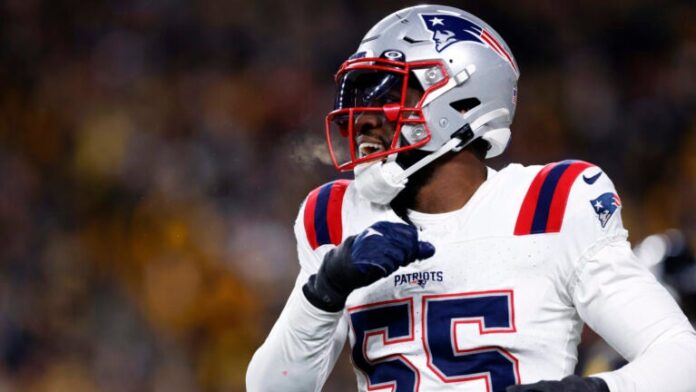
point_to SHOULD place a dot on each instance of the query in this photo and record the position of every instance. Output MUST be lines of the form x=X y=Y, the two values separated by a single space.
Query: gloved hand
x=362 y=260
x=568 y=384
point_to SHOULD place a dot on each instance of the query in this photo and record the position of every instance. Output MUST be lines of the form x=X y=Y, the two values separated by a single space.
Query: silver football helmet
x=466 y=78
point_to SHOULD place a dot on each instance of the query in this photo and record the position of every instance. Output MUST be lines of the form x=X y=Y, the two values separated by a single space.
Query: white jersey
x=533 y=253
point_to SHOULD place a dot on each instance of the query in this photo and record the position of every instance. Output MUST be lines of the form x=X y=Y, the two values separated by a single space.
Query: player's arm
x=303 y=345
x=300 y=350
x=623 y=302
x=305 y=342
x=619 y=299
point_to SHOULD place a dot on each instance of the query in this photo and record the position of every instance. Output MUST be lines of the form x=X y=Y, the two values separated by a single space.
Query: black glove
x=568 y=384
x=363 y=259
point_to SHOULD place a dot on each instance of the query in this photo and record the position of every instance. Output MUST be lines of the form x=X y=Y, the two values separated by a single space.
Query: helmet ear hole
x=464 y=105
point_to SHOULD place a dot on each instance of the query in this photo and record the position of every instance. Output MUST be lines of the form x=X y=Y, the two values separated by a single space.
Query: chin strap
x=468 y=132
x=380 y=182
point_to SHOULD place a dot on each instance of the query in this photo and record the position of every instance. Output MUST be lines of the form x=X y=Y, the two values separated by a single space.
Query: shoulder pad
x=544 y=204
x=322 y=214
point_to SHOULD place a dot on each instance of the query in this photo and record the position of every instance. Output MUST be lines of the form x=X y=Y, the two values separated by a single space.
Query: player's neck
x=451 y=185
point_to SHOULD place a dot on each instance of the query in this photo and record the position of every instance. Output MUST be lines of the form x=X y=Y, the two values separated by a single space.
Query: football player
x=443 y=273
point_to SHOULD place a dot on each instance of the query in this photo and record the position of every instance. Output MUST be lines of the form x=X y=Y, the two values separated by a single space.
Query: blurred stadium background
x=153 y=155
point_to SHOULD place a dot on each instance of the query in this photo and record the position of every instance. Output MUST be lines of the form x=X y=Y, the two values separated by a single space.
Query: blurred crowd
x=153 y=155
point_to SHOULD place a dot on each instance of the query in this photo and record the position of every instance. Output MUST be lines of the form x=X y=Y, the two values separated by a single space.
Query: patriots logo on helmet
x=450 y=29
x=605 y=206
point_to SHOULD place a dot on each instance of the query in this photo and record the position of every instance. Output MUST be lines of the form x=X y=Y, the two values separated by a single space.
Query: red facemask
x=373 y=104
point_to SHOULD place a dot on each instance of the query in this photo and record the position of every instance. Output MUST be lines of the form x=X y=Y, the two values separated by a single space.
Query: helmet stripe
x=495 y=45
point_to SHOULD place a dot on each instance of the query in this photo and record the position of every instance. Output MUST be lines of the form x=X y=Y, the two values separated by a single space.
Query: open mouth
x=369 y=148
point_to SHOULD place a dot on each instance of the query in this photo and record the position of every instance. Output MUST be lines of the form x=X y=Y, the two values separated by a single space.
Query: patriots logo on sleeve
x=449 y=29
x=605 y=206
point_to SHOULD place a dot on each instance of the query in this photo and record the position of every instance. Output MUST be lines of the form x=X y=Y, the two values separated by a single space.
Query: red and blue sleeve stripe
x=322 y=214
x=544 y=204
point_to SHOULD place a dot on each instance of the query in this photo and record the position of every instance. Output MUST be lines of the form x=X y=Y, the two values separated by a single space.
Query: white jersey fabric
x=532 y=255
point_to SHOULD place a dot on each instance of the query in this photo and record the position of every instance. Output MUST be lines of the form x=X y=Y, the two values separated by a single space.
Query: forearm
x=667 y=366
x=623 y=302
x=300 y=350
